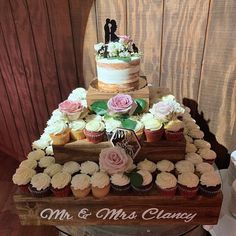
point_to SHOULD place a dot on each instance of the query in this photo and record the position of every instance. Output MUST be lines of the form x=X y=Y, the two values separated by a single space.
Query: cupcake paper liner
x=142 y=189
x=210 y=161
x=77 y=135
x=120 y=189
x=100 y=192
x=187 y=192
x=61 y=139
x=39 y=193
x=168 y=192
x=64 y=192
x=153 y=136
x=94 y=137
x=78 y=193
x=209 y=191
x=174 y=136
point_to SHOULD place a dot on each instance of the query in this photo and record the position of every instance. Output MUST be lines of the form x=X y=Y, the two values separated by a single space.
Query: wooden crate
x=94 y=94
x=118 y=210
x=82 y=150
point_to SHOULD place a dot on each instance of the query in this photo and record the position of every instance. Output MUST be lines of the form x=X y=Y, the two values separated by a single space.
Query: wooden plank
x=30 y=61
x=60 y=25
x=44 y=49
x=217 y=93
x=13 y=99
x=113 y=9
x=184 y=30
x=18 y=70
x=84 y=34
x=144 y=25
x=130 y=209
x=82 y=150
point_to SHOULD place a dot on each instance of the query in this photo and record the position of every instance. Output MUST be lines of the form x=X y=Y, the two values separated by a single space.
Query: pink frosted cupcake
x=95 y=131
x=188 y=184
x=174 y=130
x=166 y=184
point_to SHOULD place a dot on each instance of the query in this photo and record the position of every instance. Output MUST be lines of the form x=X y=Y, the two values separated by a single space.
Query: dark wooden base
x=118 y=210
x=83 y=150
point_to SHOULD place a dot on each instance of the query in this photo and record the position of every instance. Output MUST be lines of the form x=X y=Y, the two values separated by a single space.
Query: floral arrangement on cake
x=123 y=49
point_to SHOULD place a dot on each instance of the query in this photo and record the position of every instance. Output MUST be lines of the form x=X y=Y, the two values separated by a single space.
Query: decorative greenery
x=136 y=179
x=128 y=123
x=141 y=106
x=99 y=107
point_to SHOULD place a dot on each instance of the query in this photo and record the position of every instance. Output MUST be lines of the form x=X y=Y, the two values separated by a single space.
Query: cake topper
x=110 y=28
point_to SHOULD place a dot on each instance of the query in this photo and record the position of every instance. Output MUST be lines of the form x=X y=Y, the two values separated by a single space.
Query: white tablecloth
x=227 y=223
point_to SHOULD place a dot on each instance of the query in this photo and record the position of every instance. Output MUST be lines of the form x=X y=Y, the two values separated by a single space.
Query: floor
x=9 y=221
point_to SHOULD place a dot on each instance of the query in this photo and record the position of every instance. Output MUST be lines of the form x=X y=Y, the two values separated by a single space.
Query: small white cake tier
x=118 y=76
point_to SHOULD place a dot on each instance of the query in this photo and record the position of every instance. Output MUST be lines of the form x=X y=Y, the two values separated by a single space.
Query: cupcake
x=49 y=151
x=210 y=184
x=77 y=129
x=120 y=183
x=174 y=130
x=100 y=184
x=22 y=178
x=166 y=184
x=40 y=144
x=30 y=163
x=60 y=184
x=147 y=165
x=40 y=185
x=44 y=162
x=146 y=185
x=202 y=168
x=59 y=133
x=194 y=158
x=36 y=155
x=188 y=139
x=196 y=133
x=207 y=155
x=184 y=166
x=80 y=185
x=111 y=125
x=57 y=115
x=139 y=128
x=53 y=169
x=200 y=144
x=165 y=166
x=89 y=168
x=188 y=184
x=190 y=148
x=94 y=131
x=71 y=167
x=153 y=130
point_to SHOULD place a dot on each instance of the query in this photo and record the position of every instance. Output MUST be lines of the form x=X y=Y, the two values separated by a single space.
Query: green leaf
x=136 y=179
x=99 y=107
x=141 y=106
x=107 y=116
x=128 y=124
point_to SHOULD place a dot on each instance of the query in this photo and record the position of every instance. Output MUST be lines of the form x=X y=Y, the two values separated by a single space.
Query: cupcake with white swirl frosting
x=120 y=183
x=94 y=131
x=77 y=129
x=89 y=167
x=100 y=184
x=80 y=185
x=59 y=133
x=147 y=165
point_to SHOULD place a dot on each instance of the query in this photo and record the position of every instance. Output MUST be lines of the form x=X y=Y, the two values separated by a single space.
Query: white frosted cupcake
x=188 y=184
x=174 y=130
x=147 y=165
x=80 y=185
x=46 y=161
x=207 y=155
x=184 y=166
x=94 y=131
x=60 y=184
x=100 y=184
x=40 y=144
x=165 y=166
x=22 y=178
x=59 y=132
x=196 y=133
x=200 y=143
x=52 y=169
x=194 y=158
x=40 y=185
x=120 y=183
x=188 y=139
x=111 y=125
x=153 y=129
x=146 y=185
x=89 y=167
x=203 y=167
x=49 y=151
x=190 y=148
x=30 y=163
x=71 y=167
x=36 y=155
x=166 y=184
x=77 y=129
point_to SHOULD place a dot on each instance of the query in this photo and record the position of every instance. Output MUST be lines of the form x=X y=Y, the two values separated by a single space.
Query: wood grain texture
x=113 y=9
x=41 y=34
x=144 y=25
x=60 y=25
x=217 y=93
x=18 y=70
x=13 y=99
x=31 y=69
x=184 y=30
x=207 y=209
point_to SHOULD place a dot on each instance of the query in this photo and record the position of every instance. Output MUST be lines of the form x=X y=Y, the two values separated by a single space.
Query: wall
x=46 y=50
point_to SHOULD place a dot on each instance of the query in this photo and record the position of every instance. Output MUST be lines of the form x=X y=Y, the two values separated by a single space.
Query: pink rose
x=124 y=39
x=121 y=103
x=114 y=160
x=71 y=107
x=161 y=110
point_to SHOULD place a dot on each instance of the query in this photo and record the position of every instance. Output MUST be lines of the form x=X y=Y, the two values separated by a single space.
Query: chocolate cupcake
x=120 y=183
